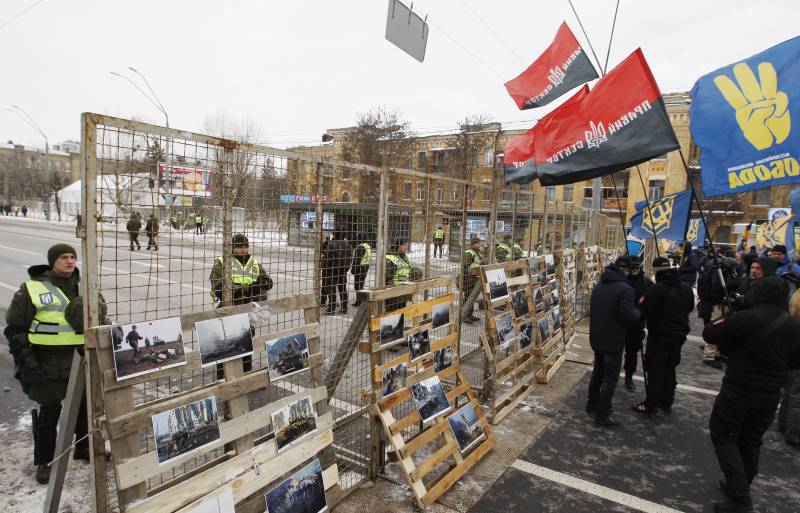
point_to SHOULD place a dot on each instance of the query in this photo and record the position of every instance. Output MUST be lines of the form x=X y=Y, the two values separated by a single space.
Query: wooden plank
x=436 y=459
x=526 y=380
x=423 y=439
x=383 y=293
x=447 y=481
x=544 y=377
x=377 y=371
x=508 y=408
x=405 y=422
x=110 y=376
x=236 y=471
x=412 y=311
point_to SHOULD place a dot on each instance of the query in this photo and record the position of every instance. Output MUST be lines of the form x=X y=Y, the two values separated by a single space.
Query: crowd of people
x=750 y=307
x=8 y=209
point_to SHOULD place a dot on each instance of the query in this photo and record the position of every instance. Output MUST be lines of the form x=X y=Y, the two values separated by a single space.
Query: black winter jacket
x=640 y=284
x=612 y=312
x=667 y=305
x=757 y=365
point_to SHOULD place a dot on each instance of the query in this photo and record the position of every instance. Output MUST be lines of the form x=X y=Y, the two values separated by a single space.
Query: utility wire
x=474 y=56
x=485 y=24
x=611 y=37
x=20 y=13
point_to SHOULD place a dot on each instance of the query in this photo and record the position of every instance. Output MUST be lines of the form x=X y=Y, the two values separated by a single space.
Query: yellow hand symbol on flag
x=761 y=110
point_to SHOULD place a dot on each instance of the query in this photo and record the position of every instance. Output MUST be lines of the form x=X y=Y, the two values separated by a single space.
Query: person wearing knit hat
x=785 y=264
x=44 y=328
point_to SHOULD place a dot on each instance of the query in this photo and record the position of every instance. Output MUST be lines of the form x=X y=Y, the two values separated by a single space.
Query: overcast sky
x=299 y=67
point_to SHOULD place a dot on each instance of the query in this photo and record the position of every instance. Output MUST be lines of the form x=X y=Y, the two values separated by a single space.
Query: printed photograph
x=553 y=285
x=544 y=329
x=287 y=355
x=519 y=303
x=147 y=346
x=224 y=338
x=293 y=422
x=393 y=379
x=220 y=504
x=185 y=428
x=496 y=278
x=548 y=300
x=556 y=319
x=525 y=335
x=442 y=358
x=419 y=344
x=538 y=299
x=550 y=261
x=392 y=327
x=554 y=297
x=505 y=329
x=440 y=315
x=430 y=398
x=303 y=492
x=466 y=427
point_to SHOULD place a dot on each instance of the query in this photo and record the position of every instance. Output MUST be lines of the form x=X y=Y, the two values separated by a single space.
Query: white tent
x=113 y=192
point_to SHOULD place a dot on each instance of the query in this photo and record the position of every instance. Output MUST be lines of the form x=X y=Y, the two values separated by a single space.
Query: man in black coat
x=336 y=260
x=612 y=312
x=635 y=335
x=666 y=306
x=761 y=343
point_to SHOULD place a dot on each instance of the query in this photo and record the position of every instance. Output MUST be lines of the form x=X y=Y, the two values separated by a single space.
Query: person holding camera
x=762 y=343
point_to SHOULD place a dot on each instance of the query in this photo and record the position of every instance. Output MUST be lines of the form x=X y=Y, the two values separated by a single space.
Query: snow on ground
x=18 y=488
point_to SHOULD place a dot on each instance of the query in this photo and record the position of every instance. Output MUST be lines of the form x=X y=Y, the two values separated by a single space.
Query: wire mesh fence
x=174 y=211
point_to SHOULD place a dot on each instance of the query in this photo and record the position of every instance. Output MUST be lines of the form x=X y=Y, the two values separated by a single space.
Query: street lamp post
x=24 y=116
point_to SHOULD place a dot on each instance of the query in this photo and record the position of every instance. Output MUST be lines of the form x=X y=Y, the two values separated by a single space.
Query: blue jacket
x=612 y=312
x=690 y=266
x=787 y=266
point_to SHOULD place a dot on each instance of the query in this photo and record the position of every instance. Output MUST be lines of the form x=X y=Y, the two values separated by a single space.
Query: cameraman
x=761 y=344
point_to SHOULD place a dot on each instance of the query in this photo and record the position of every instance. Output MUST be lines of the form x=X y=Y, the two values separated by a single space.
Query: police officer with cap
x=438 y=242
x=44 y=329
x=359 y=267
x=503 y=252
x=472 y=260
x=398 y=272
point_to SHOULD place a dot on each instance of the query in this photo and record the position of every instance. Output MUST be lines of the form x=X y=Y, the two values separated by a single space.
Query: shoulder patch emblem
x=46 y=298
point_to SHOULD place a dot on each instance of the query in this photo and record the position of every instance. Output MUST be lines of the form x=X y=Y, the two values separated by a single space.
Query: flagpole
x=649 y=212
x=611 y=37
x=587 y=37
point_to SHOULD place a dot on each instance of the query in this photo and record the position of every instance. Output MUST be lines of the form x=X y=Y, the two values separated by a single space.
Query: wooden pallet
x=512 y=372
x=422 y=449
x=238 y=462
x=550 y=351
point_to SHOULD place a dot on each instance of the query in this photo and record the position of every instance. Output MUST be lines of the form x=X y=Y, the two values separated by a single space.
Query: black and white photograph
x=419 y=344
x=302 y=492
x=393 y=379
x=553 y=285
x=442 y=358
x=430 y=398
x=287 y=355
x=392 y=327
x=466 y=427
x=185 y=428
x=548 y=300
x=519 y=303
x=222 y=503
x=147 y=346
x=544 y=329
x=496 y=278
x=440 y=315
x=505 y=329
x=293 y=422
x=556 y=319
x=525 y=335
x=538 y=299
x=224 y=338
x=554 y=297
x=550 y=262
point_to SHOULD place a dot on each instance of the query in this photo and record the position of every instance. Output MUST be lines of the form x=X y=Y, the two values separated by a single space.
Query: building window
x=761 y=197
x=551 y=192
x=456 y=192
x=420 y=191
x=68 y=166
x=439 y=194
x=471 y=192
x=488 y=157
x=418 y=222
x=409 y=160
x=568 y=191
x=345 y=197
x=486 y=192
x=421 y=161
x=473 y=158
x=407 y=190
x=656 y=190
x=439 y=156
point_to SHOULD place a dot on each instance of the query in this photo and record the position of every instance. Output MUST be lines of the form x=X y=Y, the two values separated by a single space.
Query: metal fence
x=160 y=206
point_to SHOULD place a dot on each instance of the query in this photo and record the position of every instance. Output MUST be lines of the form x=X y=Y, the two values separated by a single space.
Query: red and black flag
x=563 y=66
x=620 y=123
x=518 y=164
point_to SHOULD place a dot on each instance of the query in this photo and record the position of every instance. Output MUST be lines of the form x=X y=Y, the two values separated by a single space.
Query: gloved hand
x=74 y=314
x=30 y=372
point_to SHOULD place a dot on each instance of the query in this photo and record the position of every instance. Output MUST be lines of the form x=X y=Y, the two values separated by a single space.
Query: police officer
x=173 y=221
x=133 y=226
x=44 y=328
x=635 y=335
x=359 y=267
x=250 y=281
x=198 y=224
x=398 y=272
x=761 y=343
x=517 y=251
x=151 y=229
x=438 y=242
x=335 y=261
x=472 y=260
x=666 y=306
x=503 y=252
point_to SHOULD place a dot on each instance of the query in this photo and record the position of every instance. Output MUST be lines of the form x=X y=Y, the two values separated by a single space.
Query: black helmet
x=240 y=239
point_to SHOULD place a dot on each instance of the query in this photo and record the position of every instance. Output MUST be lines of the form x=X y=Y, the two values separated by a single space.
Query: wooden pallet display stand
x=249 y=465
x=565 y=273
x=421 y=448
x=509 y=363
x=550 y=352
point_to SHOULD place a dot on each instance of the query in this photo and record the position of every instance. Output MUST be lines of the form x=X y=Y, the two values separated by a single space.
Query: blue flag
x=742 y=116
x=794 y=201
x=669 y=217
x=696 y=234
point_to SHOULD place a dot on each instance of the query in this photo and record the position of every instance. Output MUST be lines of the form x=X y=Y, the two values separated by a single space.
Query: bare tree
x=476 y=132
x=236 y=166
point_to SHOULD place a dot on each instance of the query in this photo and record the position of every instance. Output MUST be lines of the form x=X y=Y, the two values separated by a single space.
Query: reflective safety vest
x=246 y=274
x=198 y=219
x=439 y=235
x=519 y=249
x=49 y=326
x=506 y=248
x=402 y=269
x=476 y=258
x=367 y=254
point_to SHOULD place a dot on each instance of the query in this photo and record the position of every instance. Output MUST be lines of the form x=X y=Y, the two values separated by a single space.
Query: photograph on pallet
x=302 y=492
x=550 y=350
x=414 y=400
x=508 y=340
x=286 y=356
x=186 y=428
x=147 y=346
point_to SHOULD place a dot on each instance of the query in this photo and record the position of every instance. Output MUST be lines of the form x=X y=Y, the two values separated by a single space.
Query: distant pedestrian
x=7 y=209
x=134 y=225
x=198 y=224
x=359 y=267
x=16 y=211
x=438 y=241
x=612 y=311
x=24 y=210
x=151 y=229
x=472 y=261
x=761 y=344
x=336 y=260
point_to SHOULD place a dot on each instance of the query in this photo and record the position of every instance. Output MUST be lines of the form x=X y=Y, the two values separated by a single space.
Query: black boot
x=734 y=505
x=606 y=422
x=629 y=386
